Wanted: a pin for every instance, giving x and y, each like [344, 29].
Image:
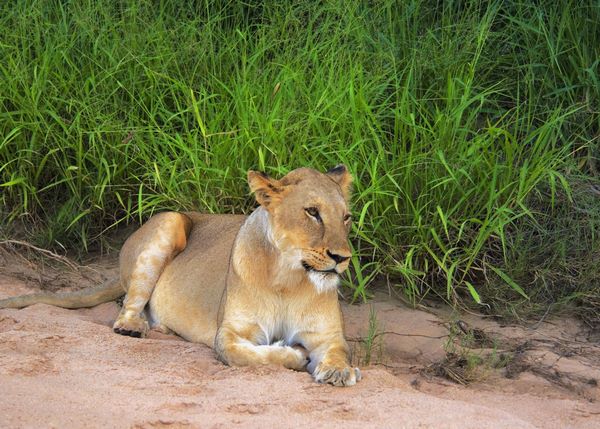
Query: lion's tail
[89, 297]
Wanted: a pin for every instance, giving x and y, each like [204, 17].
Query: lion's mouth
[309, 268]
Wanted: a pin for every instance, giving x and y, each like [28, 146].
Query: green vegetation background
[472, 129]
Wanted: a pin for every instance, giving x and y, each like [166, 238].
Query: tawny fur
[260, 289]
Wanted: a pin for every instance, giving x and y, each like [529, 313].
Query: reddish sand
[66, 368]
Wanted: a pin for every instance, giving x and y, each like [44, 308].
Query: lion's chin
[324, 281]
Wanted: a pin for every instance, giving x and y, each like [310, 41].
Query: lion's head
[309, 219]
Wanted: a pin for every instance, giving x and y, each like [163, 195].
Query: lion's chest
[283, 319]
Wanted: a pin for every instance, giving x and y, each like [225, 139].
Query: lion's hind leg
[143, 258]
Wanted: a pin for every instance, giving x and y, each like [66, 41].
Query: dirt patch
[43, 270]
[554, 355]
[66, 368]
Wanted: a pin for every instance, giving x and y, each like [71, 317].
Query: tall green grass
[466, 125]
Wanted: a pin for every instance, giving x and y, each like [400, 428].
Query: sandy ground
[66, 368]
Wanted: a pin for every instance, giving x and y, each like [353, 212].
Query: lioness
[260, 289]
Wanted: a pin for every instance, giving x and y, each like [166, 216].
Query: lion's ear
[265, 189]
[343, 178]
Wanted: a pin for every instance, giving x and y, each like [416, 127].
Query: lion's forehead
[324, 195]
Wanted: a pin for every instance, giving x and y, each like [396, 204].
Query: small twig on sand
[358, 339]
[412, 335]
[46, 252]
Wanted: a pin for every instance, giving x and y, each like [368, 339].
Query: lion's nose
[337, 258]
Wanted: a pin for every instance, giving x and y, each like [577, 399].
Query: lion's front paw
[297, 358]
[133, 326]
[342, 376]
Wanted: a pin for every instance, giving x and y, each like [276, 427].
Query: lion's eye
[313, 212]
[347, 218]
